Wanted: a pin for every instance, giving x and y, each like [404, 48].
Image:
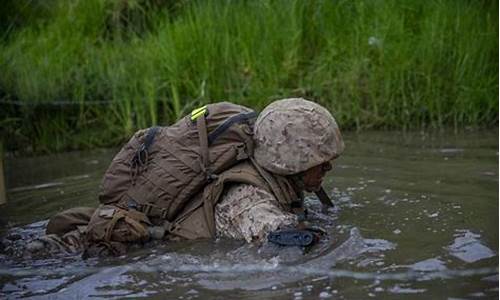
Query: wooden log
[3, 192]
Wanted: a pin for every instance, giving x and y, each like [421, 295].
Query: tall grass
[374, 64]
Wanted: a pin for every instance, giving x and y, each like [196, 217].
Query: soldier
[293, 144]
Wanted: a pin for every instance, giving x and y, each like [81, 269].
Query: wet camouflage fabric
[69, 243]
[293, 135]
[250, 213]
[64, 233]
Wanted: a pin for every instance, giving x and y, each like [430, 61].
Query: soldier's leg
[69, 220]
[64, 233]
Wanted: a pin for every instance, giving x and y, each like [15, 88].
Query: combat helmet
[293, 135]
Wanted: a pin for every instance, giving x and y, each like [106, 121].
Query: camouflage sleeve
[250, 213]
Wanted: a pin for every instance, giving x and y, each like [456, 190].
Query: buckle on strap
[146, 209]
[163, 214]
[168, 226]
[154, 211]
[132, 204]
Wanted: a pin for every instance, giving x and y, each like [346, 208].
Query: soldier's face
[313, 177]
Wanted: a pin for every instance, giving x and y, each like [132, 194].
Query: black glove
[293, 237]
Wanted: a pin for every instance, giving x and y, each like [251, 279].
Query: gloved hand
[295, 237]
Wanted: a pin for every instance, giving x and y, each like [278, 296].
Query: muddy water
[416, 217]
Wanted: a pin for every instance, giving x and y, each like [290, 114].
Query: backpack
[161, 168]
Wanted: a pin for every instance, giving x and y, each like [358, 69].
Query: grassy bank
[88, 73]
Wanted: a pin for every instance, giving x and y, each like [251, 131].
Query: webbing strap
[118, 215]
[241, 117]
[271, 181]
[324, 198]
[153, 211]
[140, 157]
[201, 123]
[150, 137]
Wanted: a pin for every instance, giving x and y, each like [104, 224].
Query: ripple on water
[405, 289]
[431, 264]
[385, 186]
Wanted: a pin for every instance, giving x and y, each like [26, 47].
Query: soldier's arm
[250, 213]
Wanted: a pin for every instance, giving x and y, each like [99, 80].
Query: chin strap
[324, 198]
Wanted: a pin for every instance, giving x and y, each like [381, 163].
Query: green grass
[374, 64]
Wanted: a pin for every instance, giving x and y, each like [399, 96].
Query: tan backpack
[161, 168]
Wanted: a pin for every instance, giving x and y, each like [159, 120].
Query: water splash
[468, 248]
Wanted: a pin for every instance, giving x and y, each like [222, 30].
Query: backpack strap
[212, 193]
[142, 153]
[157, 214]
[140, 157]
[201, 123]
[276, 189]
[239, 118]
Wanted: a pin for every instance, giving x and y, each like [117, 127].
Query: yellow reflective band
[199, 109]
[195, 116]
[198, 112]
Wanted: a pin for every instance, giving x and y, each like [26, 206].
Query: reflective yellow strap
[198, 112]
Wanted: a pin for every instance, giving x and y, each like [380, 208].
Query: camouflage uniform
[248, 212]
[291, 136]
